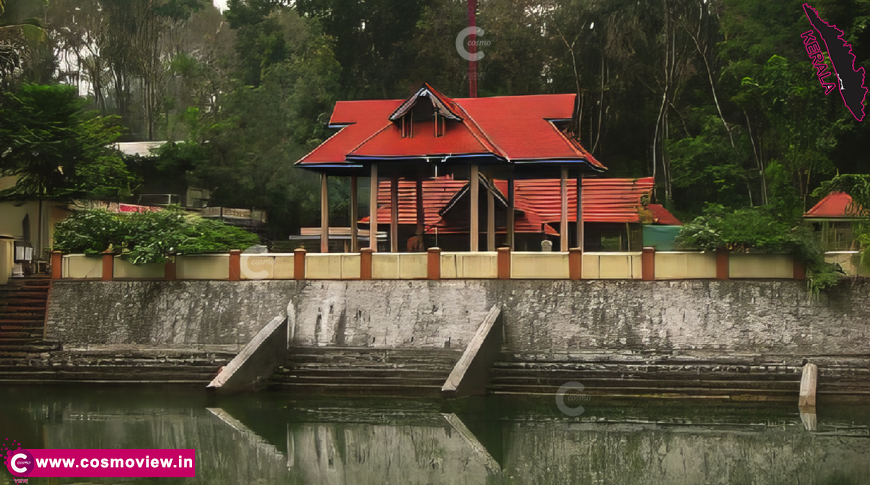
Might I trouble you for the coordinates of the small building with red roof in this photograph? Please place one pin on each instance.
(833, 220)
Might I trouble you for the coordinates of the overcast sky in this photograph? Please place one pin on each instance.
(221, 4)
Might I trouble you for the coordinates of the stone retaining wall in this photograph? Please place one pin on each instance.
(740, 316)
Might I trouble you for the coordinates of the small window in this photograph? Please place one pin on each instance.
(407, 127)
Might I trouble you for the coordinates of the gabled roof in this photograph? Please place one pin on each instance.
(505, 129)
(834, 206)
(663, 216)
(442, 104)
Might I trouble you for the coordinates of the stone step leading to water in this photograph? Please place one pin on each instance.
(365, 371)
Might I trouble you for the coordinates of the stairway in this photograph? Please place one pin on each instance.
(365, 371)
(22, 320)
(25, 358)
(629, 374)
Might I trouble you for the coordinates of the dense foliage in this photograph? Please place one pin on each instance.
(760, 229)
(147, 237)
(716, 99)
(57, 150)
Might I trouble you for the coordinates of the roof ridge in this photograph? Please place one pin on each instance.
(476, 125)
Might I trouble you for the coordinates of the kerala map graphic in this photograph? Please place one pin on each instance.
(850, 81)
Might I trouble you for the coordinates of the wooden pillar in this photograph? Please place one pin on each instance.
(373, 210)
(299, 264)
(504, 263)
(722, 265)
(418, 197)
(365, 264)
(510, 215)
(394, 214)
(648, 264)
(235, 265)
(56, 265)
(575, 263)
(108, 266)
(474, 228)
(490, 216)
(433, 263)
(354, 215)
(580, 224)
(563, 219)
(324, 214)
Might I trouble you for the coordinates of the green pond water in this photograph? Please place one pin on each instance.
(266, 438)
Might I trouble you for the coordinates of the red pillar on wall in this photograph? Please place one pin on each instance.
(108, 266)
(648, 264)
(433, 264)
(299, 264)
(722, 271)
(235, 265)
(800, 273)
(575, 263)
(56, 265)
(504, 263)
(365, 264)
(169, 270)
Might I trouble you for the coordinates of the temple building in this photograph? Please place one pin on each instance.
(420, 154)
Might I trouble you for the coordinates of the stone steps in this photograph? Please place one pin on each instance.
(365, 371)
(27, 346)
(676, 376)
(21, 302)
(110, 366)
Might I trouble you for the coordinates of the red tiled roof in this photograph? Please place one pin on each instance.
(436, 194)
(512, 128)
(834, 205)
(360, 119)
(663, 216)
(604, 200)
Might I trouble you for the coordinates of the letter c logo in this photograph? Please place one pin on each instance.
(14, 463)
(460, 40)
(21, 464)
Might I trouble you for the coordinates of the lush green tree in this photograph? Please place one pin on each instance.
(21, 40)
(56, 150)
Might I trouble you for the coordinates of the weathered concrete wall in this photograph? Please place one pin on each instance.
(736, 316)
(181, 313)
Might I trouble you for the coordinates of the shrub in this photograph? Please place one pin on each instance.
(760, 229)
(147, 237)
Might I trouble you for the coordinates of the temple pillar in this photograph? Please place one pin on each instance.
(580, 211)
(394, 214)
(563, 218)
(354, 215)
(510, 215)
(490, 217)
(373, 210)
(474, 230)
(324, 214)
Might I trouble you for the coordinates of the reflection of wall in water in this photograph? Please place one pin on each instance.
(224, 455)
(546, 454)
(348, 454)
